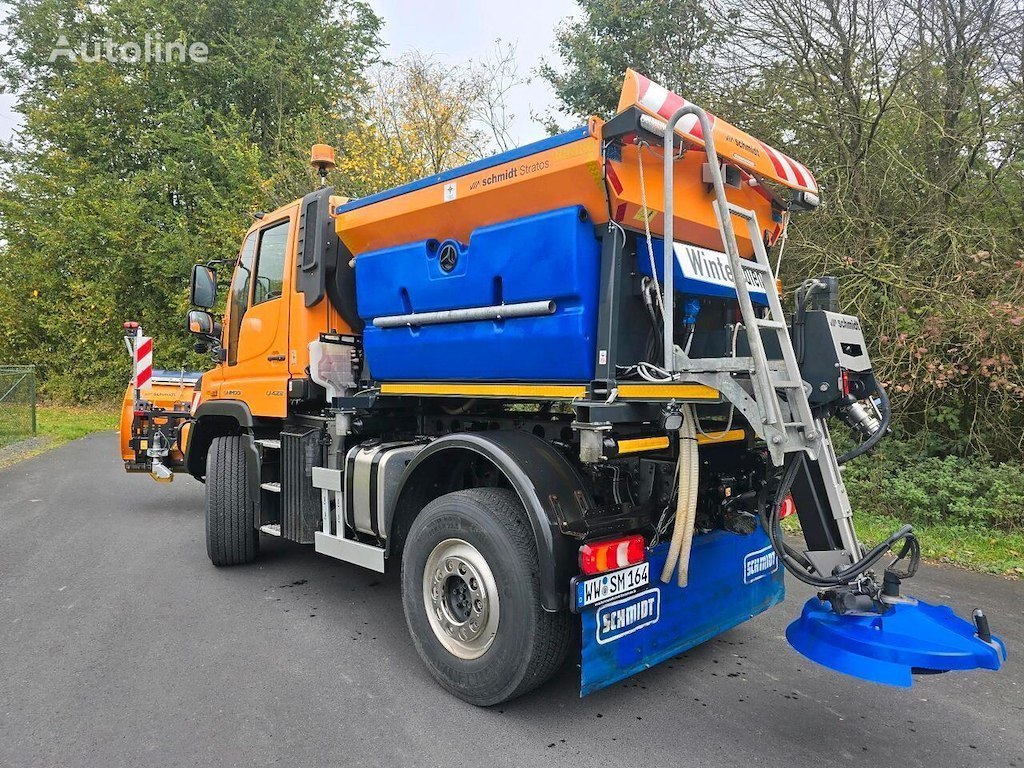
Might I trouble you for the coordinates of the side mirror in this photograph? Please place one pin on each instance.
(202, 290)
(200, 322)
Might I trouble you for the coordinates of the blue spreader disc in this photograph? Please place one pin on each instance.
(888, 648)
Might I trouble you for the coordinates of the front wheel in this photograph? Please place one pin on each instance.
(472, 597)
(231, 538)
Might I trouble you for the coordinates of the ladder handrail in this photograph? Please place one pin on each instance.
(811, 430)
(728, 242)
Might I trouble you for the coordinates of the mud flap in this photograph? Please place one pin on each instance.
(732, 578)
(889, 648)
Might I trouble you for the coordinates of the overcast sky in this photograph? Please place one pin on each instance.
(457, 31)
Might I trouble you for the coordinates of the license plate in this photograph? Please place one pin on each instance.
(613, 584)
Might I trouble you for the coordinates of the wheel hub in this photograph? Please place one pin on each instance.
(461, 598)
(458, 598)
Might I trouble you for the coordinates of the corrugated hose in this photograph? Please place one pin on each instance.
(686, 501)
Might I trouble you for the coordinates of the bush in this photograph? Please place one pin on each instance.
(901, 480)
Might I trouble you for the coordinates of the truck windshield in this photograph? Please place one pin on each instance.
(238, 301)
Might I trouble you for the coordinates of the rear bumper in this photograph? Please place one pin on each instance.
(732, 578)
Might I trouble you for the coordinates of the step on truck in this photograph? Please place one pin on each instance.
(558, 391)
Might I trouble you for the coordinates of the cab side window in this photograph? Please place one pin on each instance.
(238, 299)
(270, 264)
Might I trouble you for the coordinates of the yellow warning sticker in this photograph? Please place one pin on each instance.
(644, 214)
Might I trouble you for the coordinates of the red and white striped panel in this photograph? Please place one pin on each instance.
(794, 172)
(662, 102)
(749, 153)
(143, 361)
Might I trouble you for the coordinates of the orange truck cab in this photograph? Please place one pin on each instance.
(558, 387)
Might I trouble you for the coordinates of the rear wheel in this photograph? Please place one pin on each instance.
(231, 538)
(472, 597)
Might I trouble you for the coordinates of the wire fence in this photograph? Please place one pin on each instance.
(17, 402)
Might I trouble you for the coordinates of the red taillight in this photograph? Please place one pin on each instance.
(788, 507)
(140, 414)
(601, 556)
(846, 383)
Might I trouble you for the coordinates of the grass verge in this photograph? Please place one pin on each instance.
(986, 551)
(56, 425)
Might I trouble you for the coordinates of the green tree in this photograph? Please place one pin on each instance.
(127, 173)
(670, 41)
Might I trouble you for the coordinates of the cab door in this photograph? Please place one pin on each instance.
(257, 365)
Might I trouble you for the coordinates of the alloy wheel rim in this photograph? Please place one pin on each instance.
(461, 598)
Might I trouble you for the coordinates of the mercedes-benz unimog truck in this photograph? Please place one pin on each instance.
(558, 391)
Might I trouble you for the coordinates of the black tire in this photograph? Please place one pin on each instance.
(529, 644)
(231, 538)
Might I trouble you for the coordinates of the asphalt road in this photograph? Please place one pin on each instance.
(120, 645)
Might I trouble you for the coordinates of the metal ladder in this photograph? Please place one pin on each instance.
(776, 403)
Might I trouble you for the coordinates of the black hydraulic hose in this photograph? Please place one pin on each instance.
(885, 408)
(762, 502)
(912, 547)
(793, 564)
(801, 298)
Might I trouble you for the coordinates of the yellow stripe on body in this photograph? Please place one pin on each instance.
(638, 444)
(732, 436)
(645, 391)
(667, 392)
(464, 389)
